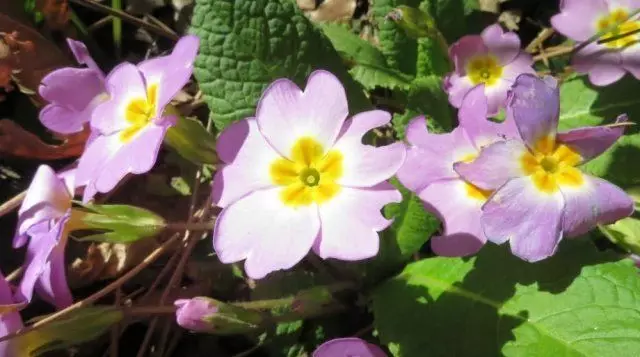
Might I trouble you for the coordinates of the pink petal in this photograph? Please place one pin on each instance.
(351, 222)
(366, 165)
(578, 18)
(505, 46)
(535, 104)
(275, 237)
(171, 72)
(285, 113)
(496, 164)
(472, 117)
(631, 60)
(9, 322)
(603, 65)
(529, 218)
(467, 47)
(348, 347)
(596, 202)
(124, 84)
(91, 162)
(523, 63)
(431, 157)
(457, 87)
(460, 213)
(248, 157)
(590, 142)
(497, 96)
(52, 285)
(81, 53)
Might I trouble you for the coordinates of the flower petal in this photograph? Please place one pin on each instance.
(91, 162)
(82, 55)
(631, 59)
(135, 157)
(463, 50)
(348, 347)
(432, 156)
(367, 165)
(459, 209)
(52, 285)
(523, 63)
(472, 116)
(351, 222)
(171, 72)
(535, 104)
(275, 237)
(124, 84)
(285, 113)
(9, 322)
(505, 46)
(249, 158)
(496, 164)
(457, 87)
(595, 202)
(577, 18)
(590, 142)
(531, 220)
(603, 66)
(47, 198)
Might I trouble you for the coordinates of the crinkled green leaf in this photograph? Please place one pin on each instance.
(584, 105)
(246, 44)
(455, 18)
(400, 50)
(372, 77)
(581, 302)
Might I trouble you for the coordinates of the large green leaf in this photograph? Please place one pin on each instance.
(400, 50)
(584, 105)
(581, 302)
(246, 44)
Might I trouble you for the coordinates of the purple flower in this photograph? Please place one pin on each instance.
(72, 93)
(192, 314)
(297, 177)
(348, 347)
(428, 171)
(606, 62)
(43, 218)
(131, 124)
(9, 322)
(493, 58)
(541, 195)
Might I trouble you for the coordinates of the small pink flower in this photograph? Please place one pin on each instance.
(607, 62)
(428, 171)
(193, 313)
(348, 347)
(493, 58)
(130, 126)
(297, 177)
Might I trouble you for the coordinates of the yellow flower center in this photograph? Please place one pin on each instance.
(552, 165)
(138, 113)
(476, 192)
(617, 24)
(310, 176)
(484, 69)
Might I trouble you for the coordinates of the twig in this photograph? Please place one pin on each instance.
(12, 204)
(540, 38)
(559, 52)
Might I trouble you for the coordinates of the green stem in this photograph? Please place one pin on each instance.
(117, 28)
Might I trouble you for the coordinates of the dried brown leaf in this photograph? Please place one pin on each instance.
(17, 142)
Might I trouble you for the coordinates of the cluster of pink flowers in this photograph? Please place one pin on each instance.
(297, 178)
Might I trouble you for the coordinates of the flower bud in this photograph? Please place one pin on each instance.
(347, 347)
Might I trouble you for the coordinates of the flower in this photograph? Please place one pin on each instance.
(297, 177)
(72, 93)
(347, 347)
(541, 194)
(428, 171)
(43, 218)
(131, 124)
(493, 58)
(192, 313)
(9, 322)
(605, 62)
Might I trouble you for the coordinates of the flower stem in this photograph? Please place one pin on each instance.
(192, 226)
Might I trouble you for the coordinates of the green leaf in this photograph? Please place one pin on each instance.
(372, 77)
(246, 44)
(426, 97)
(191, 140)
(581, 302)
(455, 18)
(625, 232)
(584, 105)
(118, 223)
(400, 50)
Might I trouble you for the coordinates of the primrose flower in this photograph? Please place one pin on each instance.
(9, 322)
(348, 347)
(44, 217)
(428, 171)
(72, 93)
(540, 194)
(493, 58)
(192, 313)
(297, 177)
(605, 62)
(131, 124)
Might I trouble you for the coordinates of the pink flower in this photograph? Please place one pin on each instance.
(348, 347)
(607, 62)
(297, 177)
(131, 124)
(72, 93)
(493, 58)
(540, 193)
(428, 171)
(10, 322)
(42, 220)
(193, 313)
